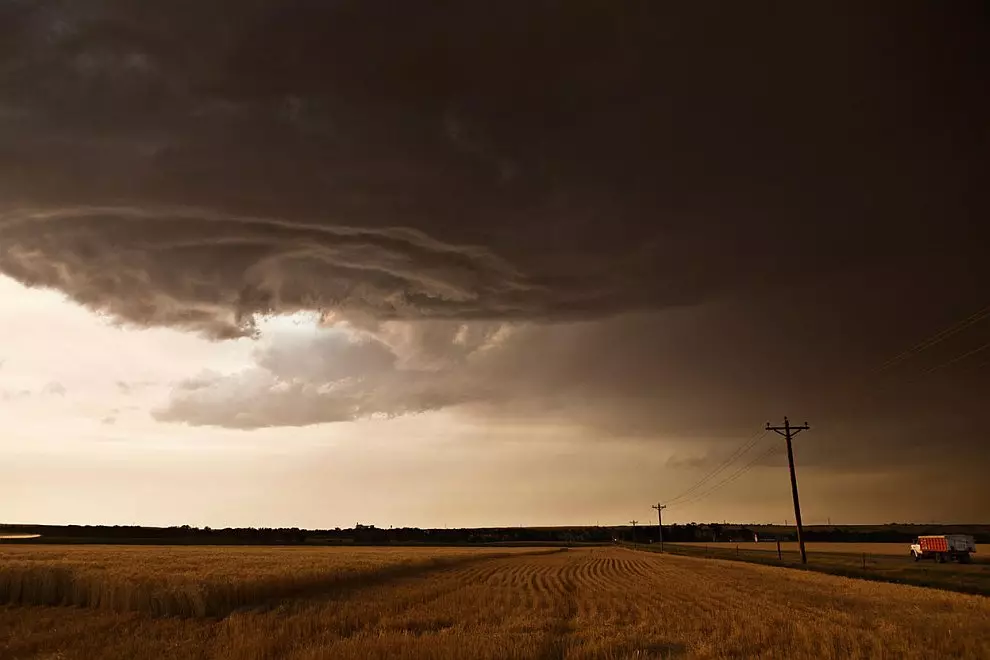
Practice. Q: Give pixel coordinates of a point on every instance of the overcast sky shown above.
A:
(316, 263)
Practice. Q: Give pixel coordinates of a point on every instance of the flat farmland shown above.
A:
(603, 602)
(201, 581)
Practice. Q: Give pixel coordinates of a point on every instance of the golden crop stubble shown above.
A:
(194, 581)
(579, 604)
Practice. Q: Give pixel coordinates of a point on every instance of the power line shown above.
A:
(732, 477)
(856, 391)
(691, 494)
(959, 357)
(937, 338)
(735, 475)
(738, 453)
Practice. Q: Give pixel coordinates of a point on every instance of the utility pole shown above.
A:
(789, 432)
(660, 507)
(634, 523)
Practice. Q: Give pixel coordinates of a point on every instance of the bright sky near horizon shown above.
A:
(81, 444)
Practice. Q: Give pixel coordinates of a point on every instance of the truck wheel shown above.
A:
(939, 558)
(964, 558)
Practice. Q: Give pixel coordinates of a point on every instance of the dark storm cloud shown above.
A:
(191, 163)
(653, 220)
(708, 376)
(211, 273)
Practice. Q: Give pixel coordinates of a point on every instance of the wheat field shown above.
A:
(201, 581)
(465, 603)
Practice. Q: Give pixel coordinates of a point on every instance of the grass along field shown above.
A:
(878, 561)
(460, 603)
(891, 549)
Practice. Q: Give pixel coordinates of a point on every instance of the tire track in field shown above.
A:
(568, 591)
(606, 574)
(593, 576)
(505, 587)
(625, 574)
(622, 574)
(534, 586)
(528, 581)
(592, 588)
(613, 604)
(517, 575)
(640, 569)
(478, 569)
(558, 582)
(620, 579)
(478, 573)
(593, 591)
(582, 573)
(409, 602)
(512, 576)
(542, 580)
(631, 587)
(361, 612)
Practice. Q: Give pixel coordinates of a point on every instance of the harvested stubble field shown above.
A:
(200, 581)
(463, 603)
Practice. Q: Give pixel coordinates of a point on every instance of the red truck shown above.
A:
(943, 548)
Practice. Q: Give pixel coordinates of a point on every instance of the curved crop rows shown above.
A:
(587, 603)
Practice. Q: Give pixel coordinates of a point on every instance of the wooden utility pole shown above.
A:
(634, 523)
(789, 432)
(660, 507)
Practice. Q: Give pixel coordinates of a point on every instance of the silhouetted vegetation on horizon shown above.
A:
(372, 535)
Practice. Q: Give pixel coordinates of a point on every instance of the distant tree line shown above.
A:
(891, 533)
(372, 535)
(359, 534)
